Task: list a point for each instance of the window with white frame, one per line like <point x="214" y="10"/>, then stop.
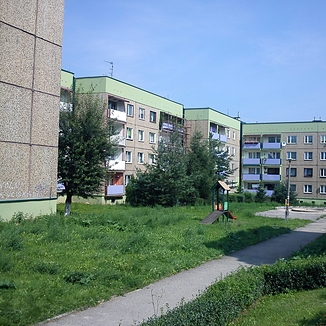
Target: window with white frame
<point x="152" y="116"/>
<point x="254" y="170"/>
<point x="323" y="155"/>
<point x="141" y="115"/>
<point x="323" y="139"/>
<point x="129" y="133"/>
<point x="274" y="155"/>
<point x="152" y="137"/>
<point x="292" y="139"/>
<point x="141" y="135"/>
<point x="233" y="135"/>
<point x="307" y="189"/>
<point x="128" y="157"/>
<point x="274" y="139"/>
<point x="308" y="156"/>
<point x="233" y="151"/>
<point x="254" y="154"/>
<point x="151" y="158"/>
<point x="307" y="172"/>
<point x="322" y="173"/>
<point x="140" y="157"/>
<point x="228" y="133"/>
<point x="322" y="189"/>
<point x="291" y="155"/>
<point x="308" y="139"/>
<point x="228" y="150"/>
<point x="293" y="172"/>
<point x="127" y="179"/>
<point x="130" y="110"/>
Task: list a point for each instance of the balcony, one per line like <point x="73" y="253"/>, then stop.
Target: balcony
<point x="118" y="115"/>
<point x="251" y="145"/>
<point x="271" y="177"/>
<point x="271" y="145"/>
<point x="251" y="161"/>
<point x="271" y="161"/>
<point x="116" y="165"/>
<point x="219" y="137"/>
<point x="115" y="190"/>
<point x="250" y="177"/>
<point x="269" y="193"/>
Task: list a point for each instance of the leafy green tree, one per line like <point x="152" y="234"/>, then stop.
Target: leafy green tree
<point x="165" y="183"/>
<point x="260" y="195"/>
<point x="86" y="140"/>
<point x="280" y="194"/>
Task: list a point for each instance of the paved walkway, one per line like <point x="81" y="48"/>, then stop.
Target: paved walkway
<point x="134" y="307"/>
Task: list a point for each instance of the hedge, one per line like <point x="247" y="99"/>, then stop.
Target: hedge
<point x="226" y="299"/>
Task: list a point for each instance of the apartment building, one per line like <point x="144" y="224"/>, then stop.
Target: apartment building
<point x="142" y="118"/>
<point x="222" y="127"/>
<point x="274" y="152"/>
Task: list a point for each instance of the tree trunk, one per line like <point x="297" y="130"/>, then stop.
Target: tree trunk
<point x="68" y="203"/>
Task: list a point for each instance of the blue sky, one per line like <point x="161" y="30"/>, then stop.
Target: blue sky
<point x="265" y="59"/>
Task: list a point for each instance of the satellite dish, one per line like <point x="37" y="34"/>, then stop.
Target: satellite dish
<point x="283" y="143"/>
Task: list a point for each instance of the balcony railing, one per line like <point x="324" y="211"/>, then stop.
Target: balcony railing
<point x="271" y="161"/>
<point x="118" y="115"/>
<point x="251" y="145"/>
<point x="115" y="190"/>
<point x="251" y="177"/>
<point x="251" y="161"/>
<point x="271" y="145"/>
<point x="219" y="137"/>
<point x="271" y="177"/>
<point x="115" y="165"/>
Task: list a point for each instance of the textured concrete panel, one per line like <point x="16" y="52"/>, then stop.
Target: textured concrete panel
<point x="19" y="13"/>
<point x="43" y="183"/>
<point x="14" y="163"/>
<point x="47" y="67"/>
<point x="15" y="110"/>
<point x="45" y="119"/>
<point x="49" y="20"/>
<point x="16" y="56"/>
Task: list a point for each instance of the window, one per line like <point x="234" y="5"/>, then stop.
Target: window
<point x="228" y="150"/>
<point x="233" y="135"/>
<point x="308" y="139"/>
<point x="293" y="188"/>
<point x="141" y="114"/>
<point x="127" y="179"/>
<point x="307" y="189"/>
<point x="228" y="133"/>
<point x="275" y="155"/>
<point x="323" y="139"/>
<point x="151" y="158"/>
<point x="291" y="155"/>
<point x="254" y="154"/>
<point x="293" y="172"/>
<point x="307" y="156"/>
<point x="323" y="189"/>
<point x="307" y="172"/>
<point x="141" y="135"/>
<point x="140" y="158"/>
<point x="292" y="140"/>
<point x="152" y="137"/>
<point x="233" y="151"/>
<point x="130" y="110"/>
<point x="128" y="157"/>
<point x="130" y="133"/>
<point x="274" y="139"/>
<point x="323" y="155"/>
<point x="112" y="105"/>
<point x="323" y="173"/>
<point x="254" y="170"/>
<point x="152" y="116"/>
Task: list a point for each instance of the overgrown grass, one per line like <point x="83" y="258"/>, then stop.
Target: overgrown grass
<point x="53" y="264"/>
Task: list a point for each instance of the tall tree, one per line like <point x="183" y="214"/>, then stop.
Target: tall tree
<point x="86" y="140"/>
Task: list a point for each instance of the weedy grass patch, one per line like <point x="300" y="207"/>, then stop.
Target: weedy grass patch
<point x="55" y="264"/>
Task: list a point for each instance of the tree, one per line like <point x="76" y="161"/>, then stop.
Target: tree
<point x="86" y="141"/>
<point x="260" y="195"/>
<point x="166" y="182"/>
<point x="280" y="193"/>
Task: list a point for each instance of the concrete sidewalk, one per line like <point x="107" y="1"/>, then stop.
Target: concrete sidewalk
<point x="137" y="306"/>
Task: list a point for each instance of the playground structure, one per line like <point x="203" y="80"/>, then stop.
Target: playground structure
<point x="220" y="204"/>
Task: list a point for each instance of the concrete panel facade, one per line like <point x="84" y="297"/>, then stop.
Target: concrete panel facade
<point x="30" y="69"/>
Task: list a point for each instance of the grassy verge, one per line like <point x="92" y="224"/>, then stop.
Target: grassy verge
<point x="54" y="264"/>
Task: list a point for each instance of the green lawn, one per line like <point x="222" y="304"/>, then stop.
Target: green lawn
<point x="55" y="264"/>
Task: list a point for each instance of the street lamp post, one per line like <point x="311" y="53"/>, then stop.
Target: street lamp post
<point x="287" y="204"/>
